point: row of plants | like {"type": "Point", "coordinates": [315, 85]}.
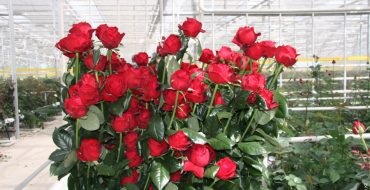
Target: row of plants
{"type": "Point", "coordinates": [37, 99]}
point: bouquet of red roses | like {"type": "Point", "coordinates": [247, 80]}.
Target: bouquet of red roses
{"type": "Point", "coordinates": [173, 120]}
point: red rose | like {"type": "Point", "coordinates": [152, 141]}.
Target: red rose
{"type": "Point", "coordinates": [110, 146]}
{"type": "Point", "coordinates": [133, 156]}
{"type": "Point", "coordinates": [115, 87]}
{"type": "Point", "coordinates": [268, 48]}
{"type": "Point", "coordinates": [253, 82]}
{"type": "Point", "coordinates": [176, 176]}
{"type": "Point", "coordinates": [180, 80]}
{"type": "Point", "coordinates": [196, 92]}
{"type": "Point", "coordinates": [190, 68]}
{"type": "Point", "coordinates": [227, 169]}
{"type": "Point", "coordinates": [191, 27]}
{"type": "Point", "coordinates": [169, 97]}
{"type": "Point", "coordinates": [254, 51]}
{"type": "Point", "coordinates": [183, 111]}
{"type": "Point", "coordinates": [358, 127]}
{"type": "Point", "coordinates": [150, 88]}
{"type": "Point", "coordinates": [252, 98]}
{"type": "Point", "coordinates": [179, 141]}
{"type": "Point", "coordinates": [130, 179]}
{"type": "Point", "coordinates": [124, 123]}
{"type": "Point", "coordinates": [207, 56]}
{"type": "Point", "coordinates": [199, 155]}
{"type": "Point", "coordinates": [89, 150]}
{"type": "Point", "coordinates": [143, 118]}
{"type": "Point", "coordinates": [88, 89]}
{"type": "Point", "coordinates": [142, 59]}
{"type": "Point", "coordinates": [130, 140]}
{"type": "Point", "coordinates": [82, 28]}
{"type": "Point", "coordinates": [118, 64]}
{"type": "Point", "coordinates": [171, 45]}
{"type": "Point", "coordinates": [225, 53]}
{"type": "Point", "coordinates": [157, 148]}
{"type": "Point", "coordinates": [220, 73]}
{"type": "Point", "coordinates": [268, 97]}
{"type": "Point", "coordinates": [75, 107]}
{"type": "Point", "coordinates": [212, 153]}
{"type": "Point", "coordinates": [245, 36]}
{"type": "Point", "coordinates": [218, 99]}
{"type": "Point", "coordinates": [89, 62]}
{"type": "Point", "coordinates": [74, 43]}
{"type": "Point", "coordinates": [196, 170]}
{"type": "Point", "coordinates": [286, 55]}
{"type": "Point", "coordinates": [109, 36]}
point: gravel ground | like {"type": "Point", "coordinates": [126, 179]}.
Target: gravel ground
{"type": "Point", "coordinates": [20, 160]}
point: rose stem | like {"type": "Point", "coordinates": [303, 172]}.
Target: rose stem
{"type": "Point", "coordinates": [263, 64]}
{"type": "Point", "coordinates": [97, 77]}
{"type": "Point", "coordinates": [174, 108]}
{"type": "Point", "coordinates": [248, 125]}
{"type": "Point", "coordinates": [228, 123]}
{"type": "Point", "coordinates": [212, 99]}
{"type": "Point", "coordinates": [119, 147]}
{"type": "Point", "coordinates": [110, 61]}
{"type": "Point", "coordinates": [77, 66]}
{"type": "Point", "coordinates": [88, 176]}
{"type": "Point", "coordinates": [277, 72]}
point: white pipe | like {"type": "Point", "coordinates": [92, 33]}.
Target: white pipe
{"type": "Point", "coordinates": [329, 108]}
{"type": "Point", "coordinates": [319, 138]}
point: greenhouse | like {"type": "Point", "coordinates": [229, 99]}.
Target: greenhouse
{"type": "Point", "coordinates": [184, 95]}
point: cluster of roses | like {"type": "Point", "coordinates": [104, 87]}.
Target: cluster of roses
{"type": "Point", "coordinates": [188, 87]}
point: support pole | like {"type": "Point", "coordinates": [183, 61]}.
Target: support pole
{"type": "Point", "coordinates": [13, 68]}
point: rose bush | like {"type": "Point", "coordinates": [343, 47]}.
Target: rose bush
{"type": "Point", "coordinates": [171, 122]}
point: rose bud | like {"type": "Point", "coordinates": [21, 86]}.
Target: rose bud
{"type": "Point", "coordinates": [110, 146]}
{"type": "Point", "coordinates": [218, 99]}
{"type": "Point", "coordinates": [130, 179]}
{"type": "Point", "coordinates": [124, 123]}
{"type": "Point", "coordinates": [191, 27]}
{"type": "Point", "coordinates": [143, 118]}
{"type": "Point", "coordinates": [179, 141]}
{"type": "Point", "coordinates": [286, 55]}
{"type": "Point", "coordinates": [89, 150]}
{"type": "Point", "coordinates": [74, 43]}
{"type": "Point", "coordinates": [180, 80]}
{"type": "Point", "coordinates": [268, 48]}
{"type": "Point", "coordinates": [183, 111]}
{"type": "Point", "coordinates": [253, 82]}
{"type": "Point", "coordinates": [176, 176]}
{"type": "Point", "coordinates": [225, 53]}
{"type": "Point", "coordinates": [254, 51]}
{"type": "Point", "coordinates": [157, 148]}
{"type": "Point", "coordinates": [245, 36]}
{"type": "Point", "coordinates": [169, 97]}
{"type": "Point", "coordinates": [130, 140]}
{"type": "Point", "coordinates": [252, 98]}
{"type": "Point", "coordinates": [358, 127]}
{"type": "Point", "coordinates": [115, 87]}
{"type": "Point", "coordinates": [220, 73]}
{"type": "Point", "coordinates": [82, 28]}
{"type": "Point", "coordinates": [268, 97]}
{"type": "Point", "coordinates": [207, 56]}
{"type": "Point", "coordinates": [88, 89]}
{"type": "Point", "coordinates": [141, 59]}
{"type": "Point", "coordinates": [89, 62]}
{"type": "Point", "coordinates": [109, 36]}
{"type": "Point", "coordinates": [227, 169]}
{"type": "Point", "coordinates": [196, 170]}
{"type": "Point", "coordinates": [171, 46]}
{"type": "Point", "coordinates": [199, 155]}
{"type": "Point", "coordinates": [75, 107]}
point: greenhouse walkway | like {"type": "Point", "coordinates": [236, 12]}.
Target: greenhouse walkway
{"type": "Point", "coordinates": [26, 156]}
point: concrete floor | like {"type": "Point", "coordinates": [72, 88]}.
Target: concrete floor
{"type": "Point", "coordinates": [25, 156]}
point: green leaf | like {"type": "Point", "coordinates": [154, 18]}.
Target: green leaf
{"type": "Point", "coordinates": [193, 123]}
{"type": "Point", "coordinates": [106, 170]}
{"type": "Point", "coordinates": [211, 172]}
{"type": "Point", "coordinates": [196, 137]}
{"type": "Point", "coordinates": [282, 110]}
{"type": "Point", "coordinates": [199, 48]}
{"type": "Point", "coordinates": [221, 142]}
{"type": "Point", "coordinates": [224, 115]}
{"type": "Point", "coordinates": [96, 56]}
{"type": "Point", "coordinates": [352, 186]}
{"type": "Point", "coordinates": [172, 66]}
{"type": "Point", "coordinates": [269, 139]}
{"type": "Point", "coordinates": [162, 68]}
{"type": "Point", "coordinates": [171, 186]}
{"type": "Point", "coordinates": [207, 188]}
{"type": "Point", "coordinates": [130, 186]}
{"type": "Point", "coordinates": [62, 139]}
{"type": "Point", "coordinates": [240, 100]}
{"type": "Point", "coordinates": [98, 113]}
{"type": "Point", "coordinates": [58, 155]}
{"type": "Point", "coordinates": [159, 175]}
{"type": "Point", "coordinates": [334, 175]}
{"type": "Point", "coordinates": [68, 78]}
{"type": "Point", "coordinates": [90, 122]}
{"type": "Point", "coordinates": [117, 107]}
{"type": "Point", "coordinates": [63, 168]}
{"type": "Point", "coordinates": [252, 148]}
{"type": "Point", "coordinates": [263, 117]}
{"type": "Point", "coordinates": [156, 127]}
